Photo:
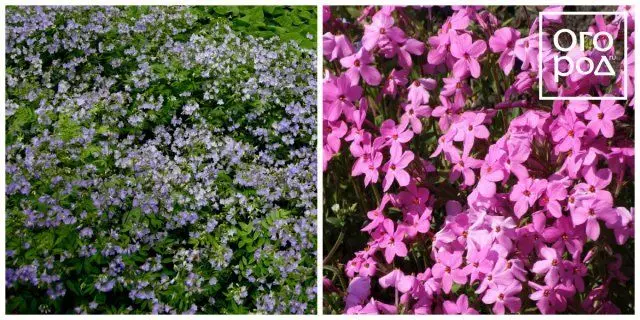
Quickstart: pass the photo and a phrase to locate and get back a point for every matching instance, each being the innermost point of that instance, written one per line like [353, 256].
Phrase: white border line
[576, 13]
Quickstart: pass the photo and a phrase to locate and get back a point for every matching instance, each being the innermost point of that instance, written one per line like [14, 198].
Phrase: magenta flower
[398, 280]
[412, 115]
[397, 78]
[447, 268]
[590, 211]
[338, 95]
[395, 135]
[380, 31]
[504, 296]
[550, 266]
[601, 118]
[334, 131]
[395, 168]
[463, 166]
[470, 128]
[504, 40]
[458, 88]
[461, 306]
[556, 192]
[552, 297]
[525, 194]
[567, 132]
[336, 46]
[563, 235]
[418, 90]
[410, 47]
[468, 54]
[393, 242]
[358, 65]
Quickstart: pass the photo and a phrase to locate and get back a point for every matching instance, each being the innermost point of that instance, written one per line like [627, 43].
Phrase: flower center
[470, 128]
[509, 265]
[447, 269]
[475, 264]
[393, 167]
[570, 133]
[341, 98]
[554, 262]
[459, 85]
[592, 212]
[600, 115]
[356, 63]
[592, 189]
[565, 237]
[411, 111]
[498, 229]
[465, 234]
[501, 296]
[383, 31]
[547, 292]
[394, 136]
[527, 193]
[416, 83]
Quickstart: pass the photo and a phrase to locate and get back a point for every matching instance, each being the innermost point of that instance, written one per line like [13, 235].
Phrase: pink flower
[418, 90]
[567, 132]
[338, 95]
[458, 88]
[468, 54]
[550, 266]
[551, 297]
[398, 280]
[359, 65]
[469, 128]
[380, 31]
[501, 296]
[448, 269]
[463, 166]
[589, 211]
[461, 306]
[393, 242]
[395, 135]
[525, 194]
[504, 40]
[397, 78]
[412, 115]
[334, 131]
[410, 47]
[336, 46]
[601, 118]
[395, 168]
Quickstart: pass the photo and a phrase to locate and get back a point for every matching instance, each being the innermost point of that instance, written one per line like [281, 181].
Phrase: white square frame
[576, 13]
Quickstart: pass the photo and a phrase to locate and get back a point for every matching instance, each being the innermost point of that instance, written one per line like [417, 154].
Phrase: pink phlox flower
[393, 242]
[395, 135]
[460, 306]
[504, 40]
[447, 268]
[419, 90]
[338, 95]
[525, 194]
[468, 54]
[381, 31]
[601, 117]
[359, 64]
[502, 296]
[412, 114]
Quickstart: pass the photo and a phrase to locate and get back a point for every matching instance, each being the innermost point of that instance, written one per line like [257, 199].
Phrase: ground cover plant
[160, 159]
[449, 187]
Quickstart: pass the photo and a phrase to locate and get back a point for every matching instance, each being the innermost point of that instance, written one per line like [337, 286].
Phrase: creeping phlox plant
[158, 161]
[471, 196]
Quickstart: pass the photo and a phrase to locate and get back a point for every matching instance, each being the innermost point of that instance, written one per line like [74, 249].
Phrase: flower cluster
[157, 161]
[479, 198]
